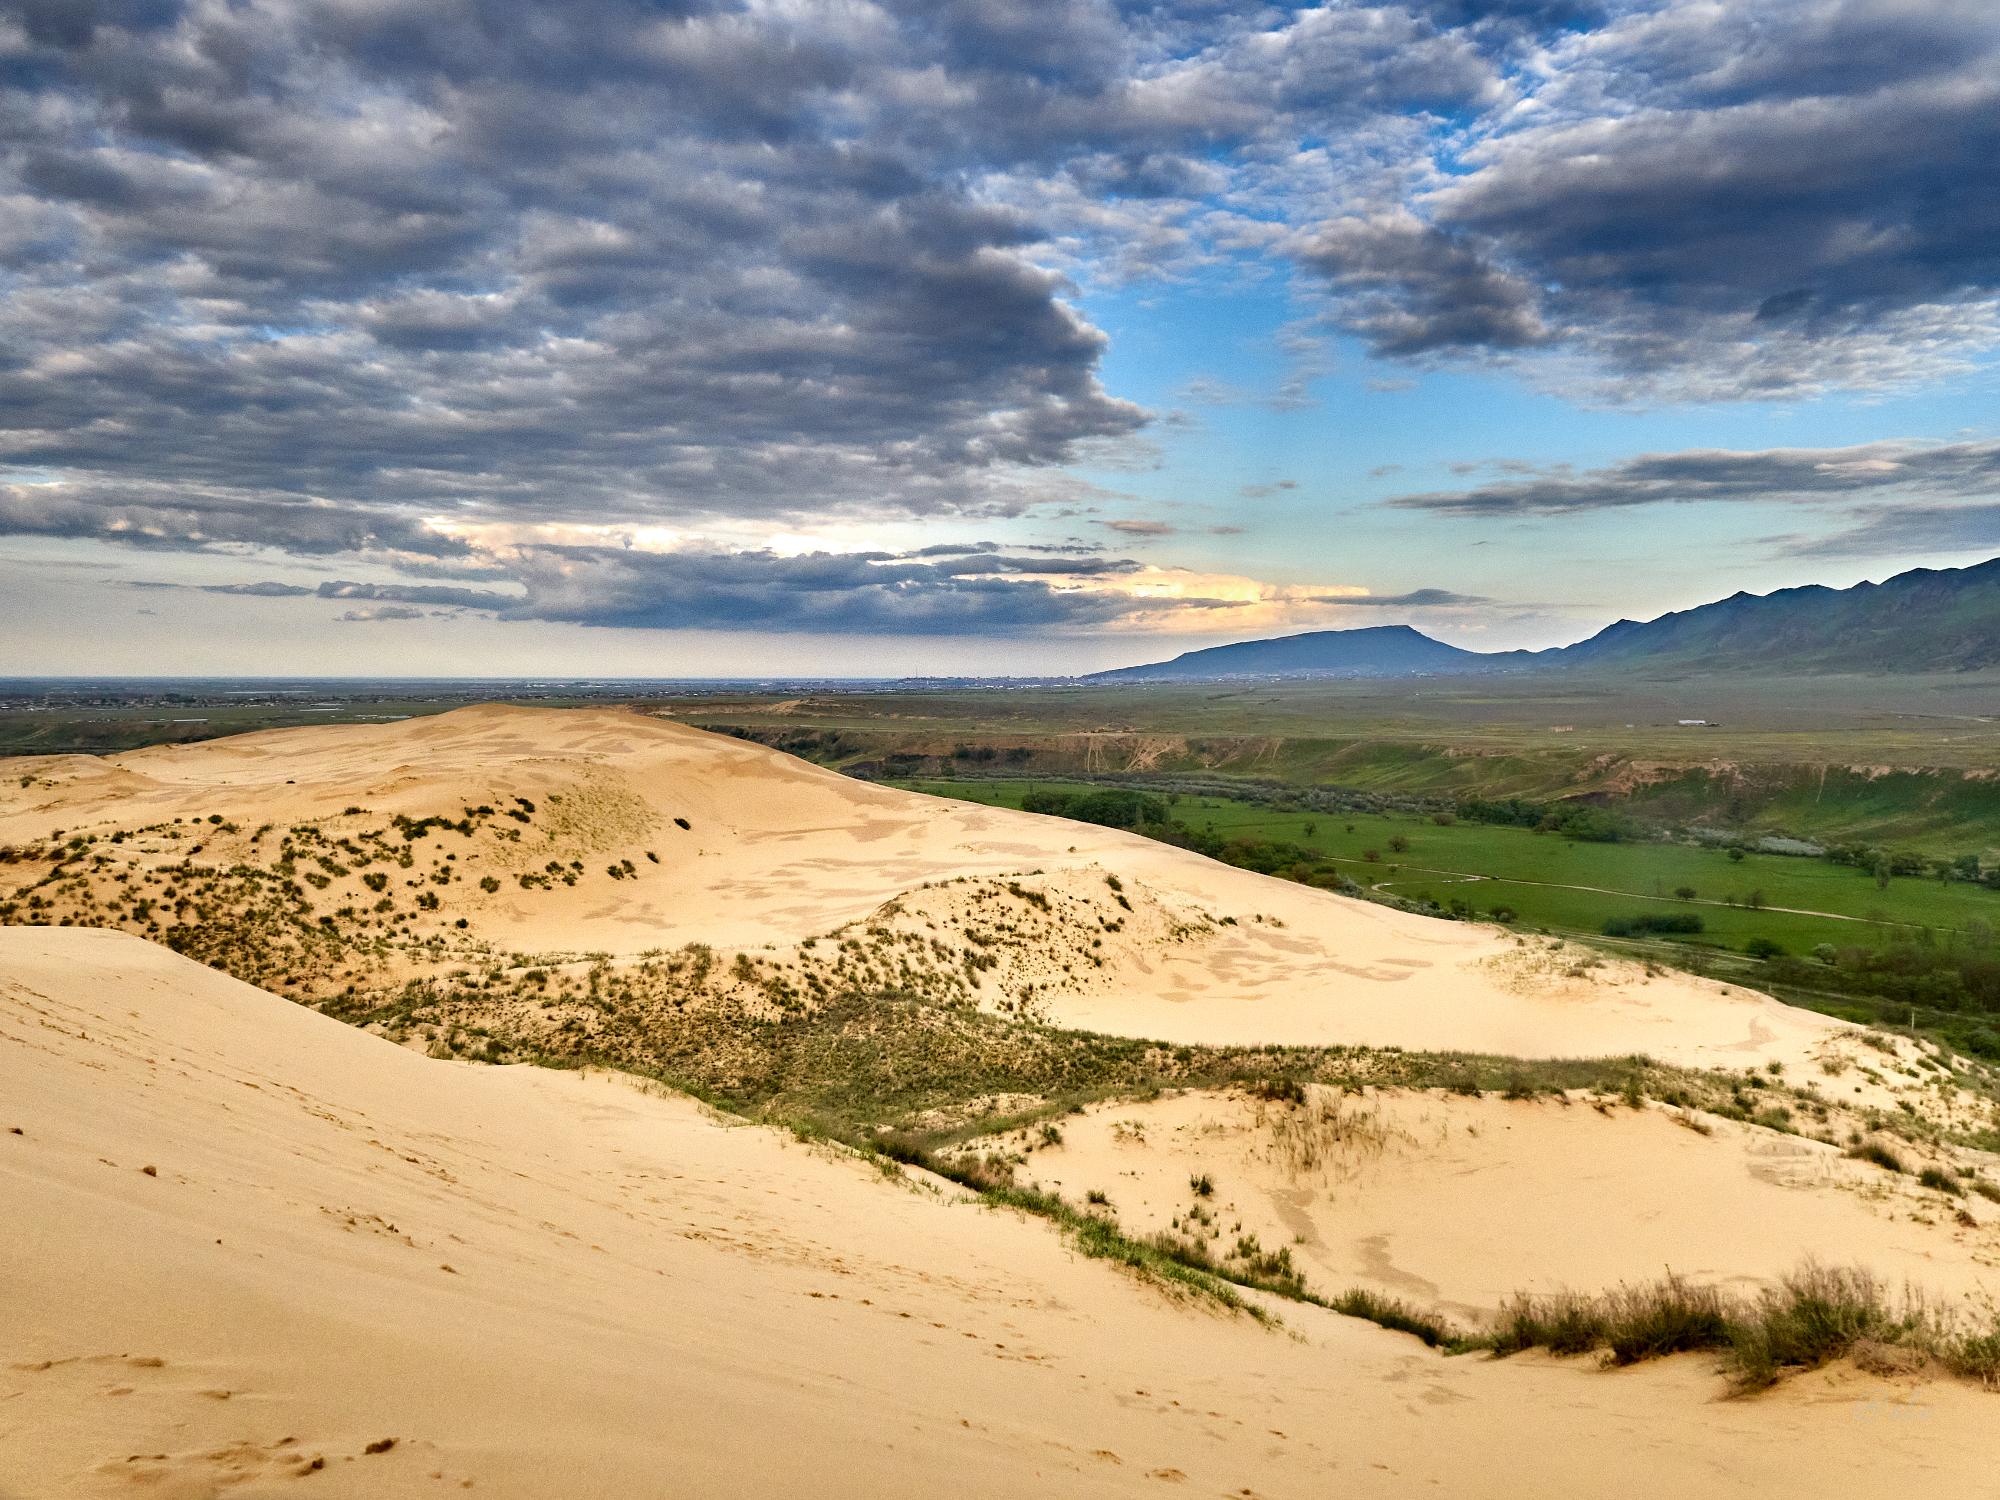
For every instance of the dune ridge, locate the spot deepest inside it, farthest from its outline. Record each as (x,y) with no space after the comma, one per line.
(375,853)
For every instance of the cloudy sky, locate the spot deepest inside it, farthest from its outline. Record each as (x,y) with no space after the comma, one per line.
(710,337)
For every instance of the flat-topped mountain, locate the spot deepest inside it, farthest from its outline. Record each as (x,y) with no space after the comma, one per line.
(1376,651)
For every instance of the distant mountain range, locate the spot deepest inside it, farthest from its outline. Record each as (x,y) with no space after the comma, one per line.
(1926,620)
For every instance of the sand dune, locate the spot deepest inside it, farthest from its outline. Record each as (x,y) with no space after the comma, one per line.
(1457,1204)
(739,847)
(243,1245)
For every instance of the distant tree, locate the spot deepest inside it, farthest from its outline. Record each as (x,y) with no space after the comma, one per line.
(1763,947)
(1400,844)
(1685,892)
(1736,856)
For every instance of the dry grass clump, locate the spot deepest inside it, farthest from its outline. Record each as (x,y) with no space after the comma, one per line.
(1879,1155)
(1632,1323)
(1399,1317)
(1813,1316)
(1319,1132)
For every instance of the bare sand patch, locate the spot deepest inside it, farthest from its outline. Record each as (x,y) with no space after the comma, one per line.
(1457,1204)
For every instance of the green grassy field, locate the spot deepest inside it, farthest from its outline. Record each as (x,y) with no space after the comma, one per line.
(1948,720)
(1909,762)
(1538,875)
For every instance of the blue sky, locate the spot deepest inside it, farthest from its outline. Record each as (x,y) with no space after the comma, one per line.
(974,335)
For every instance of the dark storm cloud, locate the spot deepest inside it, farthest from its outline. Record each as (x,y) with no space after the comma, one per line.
(325,277)
(1888,469)
(615,258)
(1722,201)
(528,263)
(1906,530)
(840,593)
(818,592)
(154,515)
(1410,288)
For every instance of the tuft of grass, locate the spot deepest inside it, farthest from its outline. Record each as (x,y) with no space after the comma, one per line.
(1943,1181)
(1877,1154)
(1814,1316)
(1975,1356)
(1099,1238)
(1563,1323)
(1398,1316)
(1672,1316)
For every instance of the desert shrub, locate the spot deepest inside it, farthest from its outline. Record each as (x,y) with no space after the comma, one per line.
(1279,1090)
(1877,1154)
(1975,1356)
(1939,1178)
(1564,1323)
(1816,1314)
(1671,1316)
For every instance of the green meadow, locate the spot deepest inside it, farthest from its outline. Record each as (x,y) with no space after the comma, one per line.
(1547,880)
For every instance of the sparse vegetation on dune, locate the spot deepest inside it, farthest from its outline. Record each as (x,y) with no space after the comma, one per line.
(925,1025)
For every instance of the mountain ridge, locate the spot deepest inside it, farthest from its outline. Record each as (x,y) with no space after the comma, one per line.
(1922,620)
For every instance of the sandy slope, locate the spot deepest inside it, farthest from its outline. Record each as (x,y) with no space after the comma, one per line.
(1458,1203)
(545,1285)
(776,850)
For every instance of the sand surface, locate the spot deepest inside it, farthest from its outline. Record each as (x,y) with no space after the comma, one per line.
(1456,1204)
(776,850)
(543,1284)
